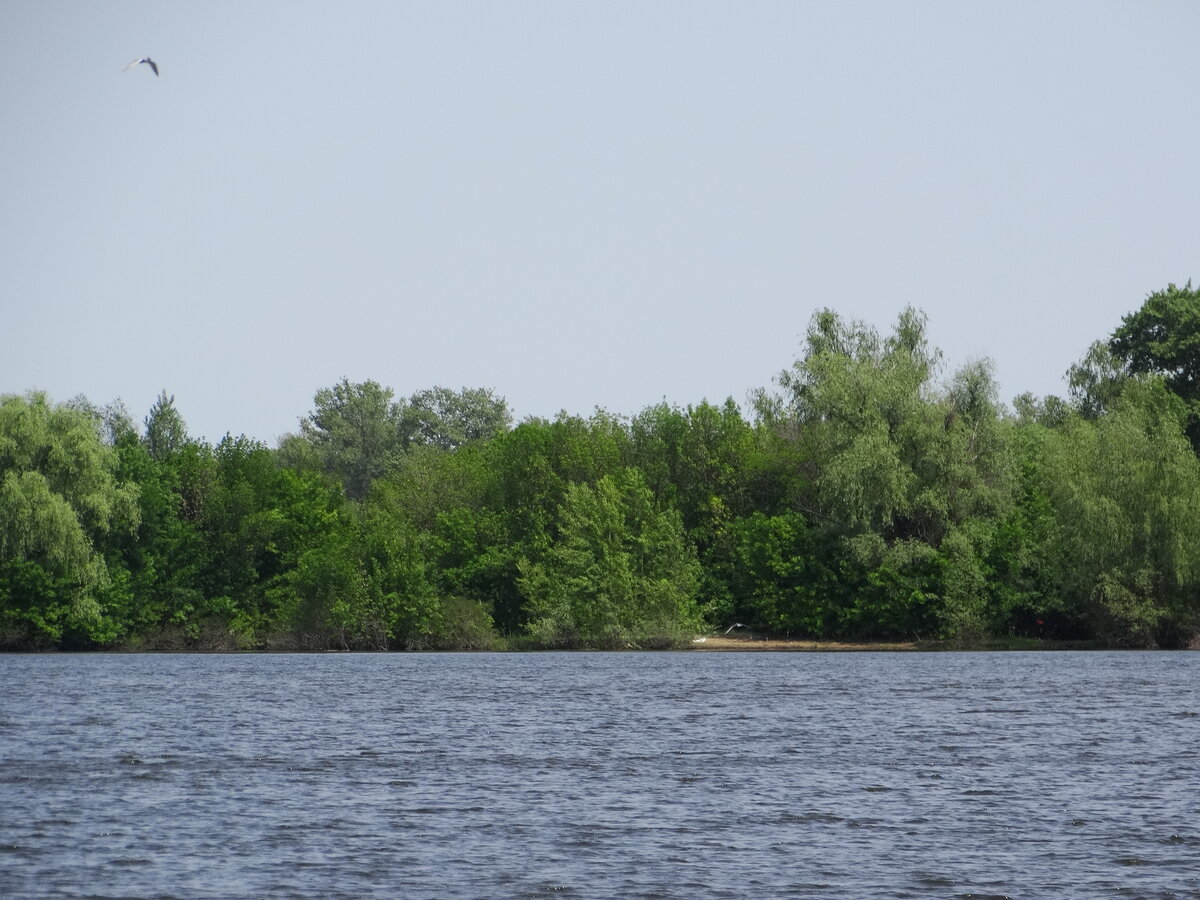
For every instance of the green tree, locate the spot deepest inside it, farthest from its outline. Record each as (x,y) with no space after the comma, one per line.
(858,402)
(621,573)
(59,495)
(354,432)
(1125,495)
(699,460)
(1022,562)
(914,475)
(1163,338)
(778,577)
(326,597)
(440,417)
(166,431)
(1096,381)
(402,597)
(155,566)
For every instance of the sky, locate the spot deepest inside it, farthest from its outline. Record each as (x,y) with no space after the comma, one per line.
(576,204)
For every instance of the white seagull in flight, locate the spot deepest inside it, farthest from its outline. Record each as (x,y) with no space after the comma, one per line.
(145,59)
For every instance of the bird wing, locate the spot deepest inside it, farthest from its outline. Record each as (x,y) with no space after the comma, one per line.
(131,65)
(154,66)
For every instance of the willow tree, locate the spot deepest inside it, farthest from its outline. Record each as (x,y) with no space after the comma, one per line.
(58,495)
(1125,495)
(911,473)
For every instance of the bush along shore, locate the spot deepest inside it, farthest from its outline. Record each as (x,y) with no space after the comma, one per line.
(866,496)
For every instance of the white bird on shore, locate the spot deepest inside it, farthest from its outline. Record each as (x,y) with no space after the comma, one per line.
(145,59)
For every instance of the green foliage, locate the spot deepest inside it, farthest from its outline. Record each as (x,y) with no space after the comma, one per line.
(403,596)
(463,624)
(358,433)
(777,576)
(858,403)
(1163,338)
(697,460)
(1022,560)
(58,497)
(327,598)
(451,501)
(1096,381)
(167,557)
(355,433)
(871,497)
(621,573)
(166,432)
(896,593)
(441,418)
(965,596)
(915,477)
(1125,493)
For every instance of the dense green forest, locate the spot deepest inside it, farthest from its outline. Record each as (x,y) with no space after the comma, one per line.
(866,497)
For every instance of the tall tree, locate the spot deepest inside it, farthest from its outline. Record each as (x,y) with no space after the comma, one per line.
(166,432)
(440,417)
(697,459)
(1163,338)
(914,475)
(1097,380)
(355,433)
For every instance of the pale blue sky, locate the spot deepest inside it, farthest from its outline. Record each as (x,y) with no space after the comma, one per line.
(577,204)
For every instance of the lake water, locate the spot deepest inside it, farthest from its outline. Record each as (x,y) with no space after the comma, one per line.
(601,775)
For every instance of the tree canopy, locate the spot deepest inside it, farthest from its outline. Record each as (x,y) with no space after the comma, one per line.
(868,494)
(1162,338)
(59,497)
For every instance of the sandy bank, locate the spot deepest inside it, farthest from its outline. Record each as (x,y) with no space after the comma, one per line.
(731,642)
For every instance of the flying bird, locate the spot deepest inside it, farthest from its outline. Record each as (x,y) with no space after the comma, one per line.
(145,59)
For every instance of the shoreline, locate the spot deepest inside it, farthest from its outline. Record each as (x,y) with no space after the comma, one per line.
(745,643)
(752,643)
(724,643)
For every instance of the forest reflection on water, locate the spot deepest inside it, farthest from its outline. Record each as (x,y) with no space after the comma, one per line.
(600,775)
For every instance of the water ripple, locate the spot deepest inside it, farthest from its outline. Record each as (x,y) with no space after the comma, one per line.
(600,775)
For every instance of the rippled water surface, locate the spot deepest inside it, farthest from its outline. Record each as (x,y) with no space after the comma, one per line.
(601,775)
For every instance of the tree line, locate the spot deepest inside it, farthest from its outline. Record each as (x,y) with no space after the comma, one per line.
(864,497)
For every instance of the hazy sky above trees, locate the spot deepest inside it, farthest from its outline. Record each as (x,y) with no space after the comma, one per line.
(577,204)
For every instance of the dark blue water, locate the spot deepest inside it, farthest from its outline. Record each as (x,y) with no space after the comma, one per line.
(601,775)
